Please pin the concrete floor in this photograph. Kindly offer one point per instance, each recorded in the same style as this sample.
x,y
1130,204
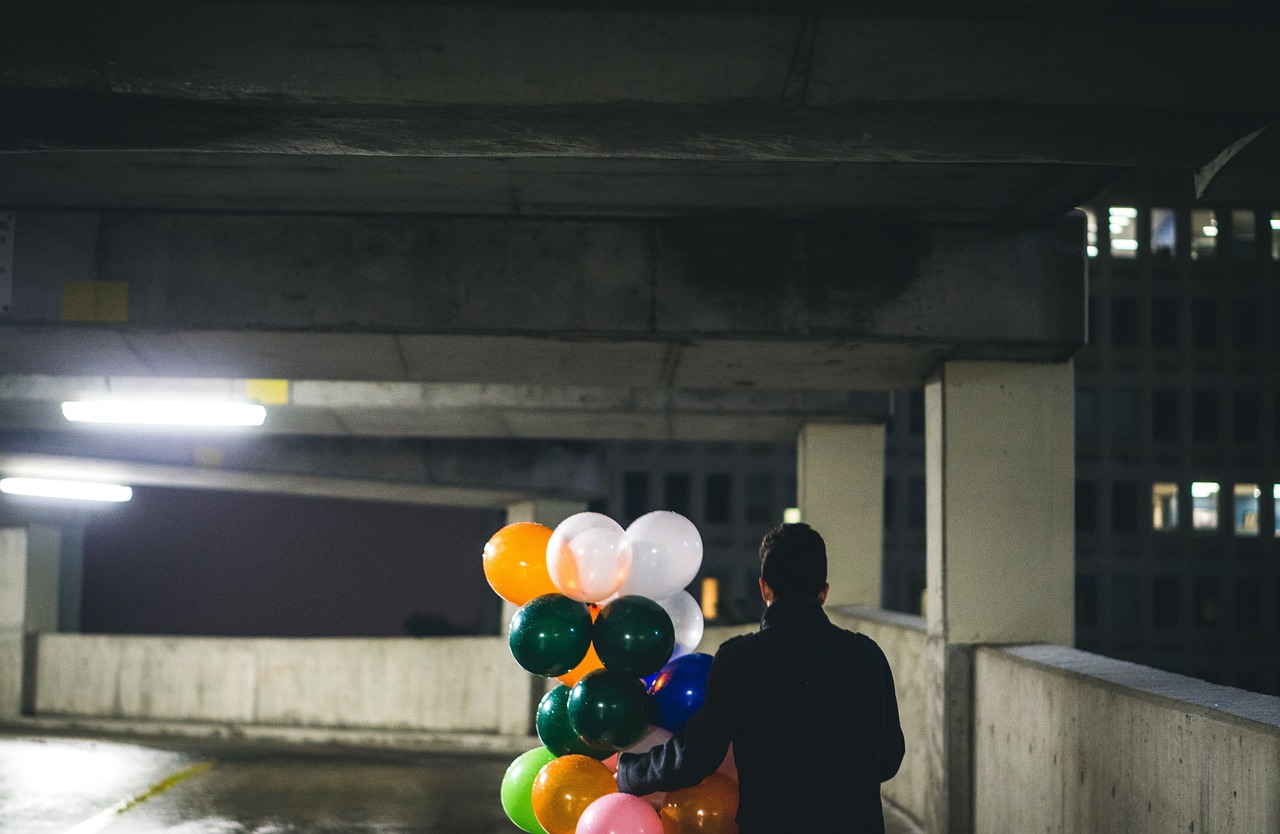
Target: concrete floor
x,y
62,785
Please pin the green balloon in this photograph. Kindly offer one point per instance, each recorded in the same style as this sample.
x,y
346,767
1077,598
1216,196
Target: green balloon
x,y
517,788
607,709
550,634
554,730
634,636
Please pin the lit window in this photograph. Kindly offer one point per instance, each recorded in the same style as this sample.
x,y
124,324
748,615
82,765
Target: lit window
x,y
1091,221
1164,233
710,598
1243,234
1204,231
1204,505
1246,509
1164,506
1122,221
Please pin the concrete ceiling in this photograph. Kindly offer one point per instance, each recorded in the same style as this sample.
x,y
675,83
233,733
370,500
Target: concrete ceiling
x,y
992,116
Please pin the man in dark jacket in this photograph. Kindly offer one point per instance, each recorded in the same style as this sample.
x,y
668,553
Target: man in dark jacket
x,y
809,708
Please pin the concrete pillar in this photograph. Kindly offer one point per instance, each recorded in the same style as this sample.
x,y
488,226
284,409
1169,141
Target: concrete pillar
x,y
521,697
29,565
1000,467
840,487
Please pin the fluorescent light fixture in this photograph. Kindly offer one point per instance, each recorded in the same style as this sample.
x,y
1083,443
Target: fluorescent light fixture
x,y
1275,223
1210,231
1092,250
791,515
165,412
1123,211
74,490
1124,245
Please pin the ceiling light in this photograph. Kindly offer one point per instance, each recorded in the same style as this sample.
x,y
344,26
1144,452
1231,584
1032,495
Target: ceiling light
x,y
1210,231
75,490
1123,211
1125,245
165,412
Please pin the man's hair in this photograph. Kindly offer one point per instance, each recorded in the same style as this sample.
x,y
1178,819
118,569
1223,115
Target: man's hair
x,y
793,560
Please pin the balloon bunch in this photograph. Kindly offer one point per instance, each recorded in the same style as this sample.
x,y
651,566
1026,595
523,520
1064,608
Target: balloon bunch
x,y
603,610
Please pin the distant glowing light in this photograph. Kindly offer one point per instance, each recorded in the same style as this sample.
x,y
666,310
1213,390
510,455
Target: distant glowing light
x,y
1125,245
70,490
1210,231
791,515
1123,211
1204,489
1275,223
165,412
1092,250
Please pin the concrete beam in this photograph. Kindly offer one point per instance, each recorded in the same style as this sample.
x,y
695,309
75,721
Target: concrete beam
x,y
840,303
457,410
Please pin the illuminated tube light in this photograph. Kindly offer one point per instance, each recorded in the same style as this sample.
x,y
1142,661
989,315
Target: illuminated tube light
x,y
1123,211
1203,489
1275,224
1210,231
164,412
75,490
1125,245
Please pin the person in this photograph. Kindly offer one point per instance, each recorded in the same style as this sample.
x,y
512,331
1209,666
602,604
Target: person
x,y
809,708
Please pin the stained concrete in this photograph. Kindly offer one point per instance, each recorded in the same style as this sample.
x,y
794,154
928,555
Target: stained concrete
x,y
50,784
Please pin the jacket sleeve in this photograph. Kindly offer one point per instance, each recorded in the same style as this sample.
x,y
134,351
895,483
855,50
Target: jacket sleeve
x,y
694,753
893,746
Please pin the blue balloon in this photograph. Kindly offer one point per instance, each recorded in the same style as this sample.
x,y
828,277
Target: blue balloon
x,y
679,691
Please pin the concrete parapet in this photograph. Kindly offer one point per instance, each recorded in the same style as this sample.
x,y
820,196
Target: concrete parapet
x,y
464,684
903,640
1066,741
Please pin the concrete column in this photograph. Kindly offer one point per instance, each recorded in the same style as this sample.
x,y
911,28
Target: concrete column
x,y
520,702
1000,466
840,487
29,567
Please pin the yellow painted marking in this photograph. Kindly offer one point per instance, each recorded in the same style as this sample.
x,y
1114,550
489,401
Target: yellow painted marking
x,y
95,301
267,391
105,817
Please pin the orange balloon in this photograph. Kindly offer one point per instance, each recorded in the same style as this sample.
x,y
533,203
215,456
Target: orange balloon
x,y
590,663
708,806
565,787
515,562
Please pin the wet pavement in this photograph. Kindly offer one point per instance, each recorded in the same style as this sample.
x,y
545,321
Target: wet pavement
x,y
65,785
61,785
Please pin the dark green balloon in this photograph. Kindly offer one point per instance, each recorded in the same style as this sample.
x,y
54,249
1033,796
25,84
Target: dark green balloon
x,y
550,634
634,636
607,709
554,730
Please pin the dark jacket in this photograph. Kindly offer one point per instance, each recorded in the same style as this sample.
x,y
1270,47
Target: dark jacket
x,y
810,710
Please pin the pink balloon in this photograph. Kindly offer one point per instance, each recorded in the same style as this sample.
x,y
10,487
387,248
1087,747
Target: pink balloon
x,y
729,767
619,813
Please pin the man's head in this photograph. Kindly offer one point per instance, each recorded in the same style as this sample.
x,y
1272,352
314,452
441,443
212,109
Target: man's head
x,y
793,563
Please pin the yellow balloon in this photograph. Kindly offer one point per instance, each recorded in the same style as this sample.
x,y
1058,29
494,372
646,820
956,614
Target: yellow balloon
x,y
565,787
515,562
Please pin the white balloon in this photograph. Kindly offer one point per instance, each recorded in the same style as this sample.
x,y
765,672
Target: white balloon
x,y
666,552
588,557
686,616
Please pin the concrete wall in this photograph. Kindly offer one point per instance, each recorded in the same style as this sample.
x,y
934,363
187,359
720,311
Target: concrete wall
x,y
1065,741
460,684
902,638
